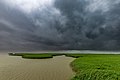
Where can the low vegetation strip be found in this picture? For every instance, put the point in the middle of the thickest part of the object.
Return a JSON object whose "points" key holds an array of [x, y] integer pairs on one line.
{"points": [[74, 55], [42, 55], [97, 67], [37, 56]]}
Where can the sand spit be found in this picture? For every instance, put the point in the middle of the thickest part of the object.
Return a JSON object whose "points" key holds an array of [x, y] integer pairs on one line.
{"points": [[16, 68]]}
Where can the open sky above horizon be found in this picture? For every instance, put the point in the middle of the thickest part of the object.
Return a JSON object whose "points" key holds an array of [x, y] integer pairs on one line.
{"points": [[34, 25]]}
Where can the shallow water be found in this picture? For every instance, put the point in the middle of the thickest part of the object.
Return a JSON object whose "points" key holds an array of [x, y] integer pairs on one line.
{"points": [[16, 68]]}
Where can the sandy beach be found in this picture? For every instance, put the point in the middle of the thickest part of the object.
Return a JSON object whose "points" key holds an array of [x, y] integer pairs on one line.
{"points": [[16, 68]]}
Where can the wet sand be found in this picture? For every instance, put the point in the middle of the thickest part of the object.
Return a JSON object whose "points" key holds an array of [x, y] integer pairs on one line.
{"points": [[16, 68]]}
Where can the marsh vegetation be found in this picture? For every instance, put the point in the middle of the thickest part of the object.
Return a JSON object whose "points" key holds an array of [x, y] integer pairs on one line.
{"points": [[97, 67]]}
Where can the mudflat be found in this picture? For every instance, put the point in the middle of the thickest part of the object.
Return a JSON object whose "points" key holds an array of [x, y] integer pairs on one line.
{"points": [[17, 68]]}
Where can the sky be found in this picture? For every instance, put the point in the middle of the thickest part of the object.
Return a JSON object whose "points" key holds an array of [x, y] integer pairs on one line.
{"points": [[33, 25]]}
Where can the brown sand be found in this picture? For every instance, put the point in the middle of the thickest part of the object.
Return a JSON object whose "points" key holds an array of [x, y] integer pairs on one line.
{"points": [[16, 68]]}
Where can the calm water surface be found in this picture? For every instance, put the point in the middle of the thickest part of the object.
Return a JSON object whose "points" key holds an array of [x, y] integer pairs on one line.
{"points": [[16, 68]]}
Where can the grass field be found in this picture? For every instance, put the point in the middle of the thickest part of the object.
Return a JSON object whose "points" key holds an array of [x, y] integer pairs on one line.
{"points": [[35, 55], [97, 67], [43, 55]]}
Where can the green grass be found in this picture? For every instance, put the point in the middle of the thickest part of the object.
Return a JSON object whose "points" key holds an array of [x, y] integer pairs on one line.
{"points": [[96, 67], [74, 55], [43, 55], [37, 56]]}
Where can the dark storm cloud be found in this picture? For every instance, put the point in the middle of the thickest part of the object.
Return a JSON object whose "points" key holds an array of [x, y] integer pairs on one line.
{"points": [[67, 24], [89, 28]]}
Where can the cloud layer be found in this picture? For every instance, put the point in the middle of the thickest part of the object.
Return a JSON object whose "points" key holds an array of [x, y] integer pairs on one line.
{"points": [[59, 24]]}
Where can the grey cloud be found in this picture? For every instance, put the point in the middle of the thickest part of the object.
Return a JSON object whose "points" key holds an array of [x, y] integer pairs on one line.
{"points": [[67, 24]]}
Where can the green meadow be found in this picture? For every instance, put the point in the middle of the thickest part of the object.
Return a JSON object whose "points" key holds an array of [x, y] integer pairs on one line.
{"points": [[35, 55], [97, 67], [88, 66]]}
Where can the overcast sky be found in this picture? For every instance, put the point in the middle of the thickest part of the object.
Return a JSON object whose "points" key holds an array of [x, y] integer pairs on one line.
{"points": [[33, 25]]}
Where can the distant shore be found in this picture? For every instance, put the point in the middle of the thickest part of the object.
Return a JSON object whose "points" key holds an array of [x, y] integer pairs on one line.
{"points": [[72, 51]]}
